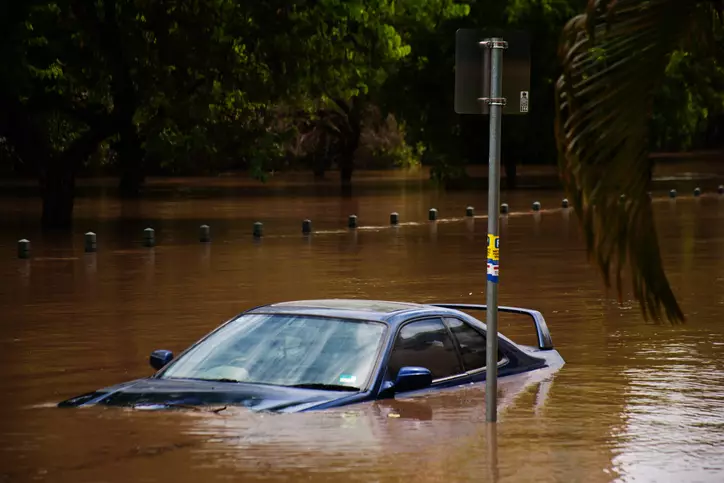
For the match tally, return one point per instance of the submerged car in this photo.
(319, 354)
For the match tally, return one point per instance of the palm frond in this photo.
(613, 57)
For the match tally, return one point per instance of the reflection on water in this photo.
(668, 405)
(634, 402)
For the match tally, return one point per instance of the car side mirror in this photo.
(160, 358)
(411, 378)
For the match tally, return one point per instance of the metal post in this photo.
(496, 102)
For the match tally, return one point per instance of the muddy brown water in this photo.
(635, 401)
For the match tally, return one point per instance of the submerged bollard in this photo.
(23, 248)
(307, 226)
(394, 218)
(672, 194)
(564, 203)
(432, 214)
(504, 209)
(697, 191)
(90, 244)
(149, 237)
(720, 189)
(352, 221)
(469, 211)
(536, 206)
(204, 234)
(258, 231)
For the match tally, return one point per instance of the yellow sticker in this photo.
(493, 247)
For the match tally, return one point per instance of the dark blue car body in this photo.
(155, 392)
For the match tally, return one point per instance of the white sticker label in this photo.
(523, 101)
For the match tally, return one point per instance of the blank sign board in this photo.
(472, 60)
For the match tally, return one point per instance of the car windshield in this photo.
(288, 350)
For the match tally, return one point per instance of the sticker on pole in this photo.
(493, 247)
(493, 257)
(523, 101)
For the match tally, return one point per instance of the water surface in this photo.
(635, 401)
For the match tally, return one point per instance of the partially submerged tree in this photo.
(50, 111)
(77, 73)
(347, 51)
(614, 56)
(187, 83)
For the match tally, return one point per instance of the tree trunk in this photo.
(346, 168)
(318, 169)
(130, 161)
(55, 173)
(58, 193)
(346, 162)
(320, 162)
(350, 142)
(57, 176)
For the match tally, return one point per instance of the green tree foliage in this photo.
(198, 87)
(192, 83)
(690, 97)
(81, 73)
(453, 140)
(45, 109)
(346, 54)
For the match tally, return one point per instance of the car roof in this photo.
(376, 310)
(392, 313)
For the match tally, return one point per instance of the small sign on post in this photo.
(479, 89)
(523, 101)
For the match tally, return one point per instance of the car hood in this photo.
(154, 393)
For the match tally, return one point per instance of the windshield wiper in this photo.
(221, 379)
(320, 385)
(305, 385)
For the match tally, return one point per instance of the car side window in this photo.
(472, 344)
(425, 343)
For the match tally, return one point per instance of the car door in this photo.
(427, 343)
(472, 345)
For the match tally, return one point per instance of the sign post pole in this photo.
(496, 103)
(479, 90)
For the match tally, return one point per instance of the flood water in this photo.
(635, 401)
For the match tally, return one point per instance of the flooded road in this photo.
(634, 402)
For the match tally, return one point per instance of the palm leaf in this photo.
(613, 57)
